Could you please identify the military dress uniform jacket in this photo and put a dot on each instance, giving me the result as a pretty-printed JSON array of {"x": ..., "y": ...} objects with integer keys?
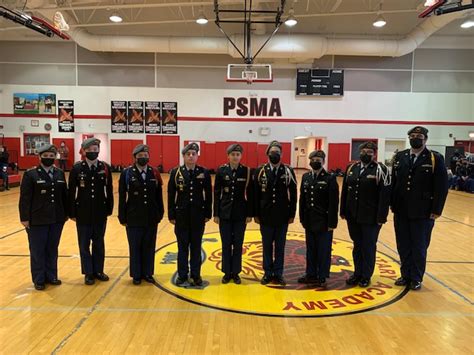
[
  {"x": 275, "y": 198},
  {"x": 189, "y": 197},
  {"x": 91, "y": 197},
  {"x": 421, "y": 189},
  {"x": 233, "y": 193},
  {"x": 365, "y": 196},
  {"x": 43, "y": 200},
  {"x": 140, "y": 201},
  {"x": 319, "y": 201}
]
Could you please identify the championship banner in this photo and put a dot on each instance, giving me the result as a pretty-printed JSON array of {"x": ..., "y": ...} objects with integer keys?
[
  {"x": 135, "y": 117},
  {"x": 152, "y": 117},
  {"x": 118, "y": 116},
  {"x": 169, "y": 117},
  {"x": 66, "y": 115}
]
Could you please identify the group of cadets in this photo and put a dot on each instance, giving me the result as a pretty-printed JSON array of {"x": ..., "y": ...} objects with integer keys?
[{"x": 416, "y": 190}]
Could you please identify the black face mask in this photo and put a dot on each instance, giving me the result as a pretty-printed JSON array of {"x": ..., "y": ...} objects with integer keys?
[
  {"x": 142, "y": 161},
  {"x": 47, "y": 162},
  {"x": 92, "y": 155},
  {"x": 366, "y": 158},
  {"x": 416, "y": 143},
  {"x": 316, "y": 165},
  {"x": 274, "y": 157}
]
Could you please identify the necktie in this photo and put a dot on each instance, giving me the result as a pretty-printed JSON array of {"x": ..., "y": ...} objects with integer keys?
[
  {"x": 191, "y": 173},
  {"x": 93, "y": 168},
  {"x": 233, "y": 172},
  {"x": 143, "y": 175},
  {"x": 51, "y": 174},
  {"x": 412, "y": 159},
  {"x": 275, "y": 170}
]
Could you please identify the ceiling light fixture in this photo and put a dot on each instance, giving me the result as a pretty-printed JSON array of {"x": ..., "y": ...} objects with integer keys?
[
  {"x": 115, "y": 18},
  {"x": 202, "y": 19},
  {"x": 291, "y": 20},
  {"x": 467, "y": 24},
  {"x": 379, "y": 21}
]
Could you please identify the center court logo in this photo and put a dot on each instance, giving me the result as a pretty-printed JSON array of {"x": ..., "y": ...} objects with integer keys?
[{"x": 292, "y": 300}]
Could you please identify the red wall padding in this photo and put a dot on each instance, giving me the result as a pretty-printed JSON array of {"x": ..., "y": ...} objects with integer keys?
[{"x": 338, "y": 156}]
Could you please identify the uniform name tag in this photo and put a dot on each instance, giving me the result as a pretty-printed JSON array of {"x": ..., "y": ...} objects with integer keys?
[
  {"x": 135, "y": 193},
  {"x": 371, "y": 177},
  {"x": 40, "y": 181},
  {"x": 427, "y": 166},
  {"x": 101, "y": 172},
  {"x": 322, "y": 182},
  {"x": 43, "y": 192},
  {"x": 62, "y": 181},
  {"x": 241, "y": 179},
  {"x": 200, "y": 176}
]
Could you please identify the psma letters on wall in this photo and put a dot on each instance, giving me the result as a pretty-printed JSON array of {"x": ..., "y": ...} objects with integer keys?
[{"x": 253, "y": 106}]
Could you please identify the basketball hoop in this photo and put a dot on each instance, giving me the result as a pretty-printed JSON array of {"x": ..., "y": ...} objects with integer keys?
[
  {"x": 249, "y": 73},
  {"x": 249, "y": 76}
]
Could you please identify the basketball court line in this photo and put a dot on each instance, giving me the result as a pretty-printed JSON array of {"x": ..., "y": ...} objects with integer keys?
[
  {"x": 12, "y": 233},
  {"x": 459, "y": 294},
  {"x": 91, "y": 310},
  {"x": 210, "y": 310}
]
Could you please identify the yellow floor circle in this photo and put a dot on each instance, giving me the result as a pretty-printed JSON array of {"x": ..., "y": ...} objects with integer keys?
[{"x": 292, "y": 300}]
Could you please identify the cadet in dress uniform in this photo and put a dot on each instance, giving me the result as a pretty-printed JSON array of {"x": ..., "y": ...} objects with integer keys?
[
  {"x": 319, "y": 202},
  {"x": 140, "y": 210},
  {"x": 365, "y": 202},
  {"x": 189, "y": 209},
  {"x": 43, "y": 211},
  {"x": 275, "y": 208},
  {"x": 233, "y": 207},
  {"x": 91, "y": 200},
  {"x": 420, "y": 187}
]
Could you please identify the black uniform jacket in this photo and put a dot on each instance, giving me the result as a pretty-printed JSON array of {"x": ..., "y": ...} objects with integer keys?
[
  {"x": 91, "y": 197},
  {"x": 275, "y": 197},
  {"x": 319, "y": 201},
  {"x": 140, "y": 201},
  {"x": 189, "y": 198},
  {"x": 43, "y": 200},
  {"x": 421, "y": 189}
]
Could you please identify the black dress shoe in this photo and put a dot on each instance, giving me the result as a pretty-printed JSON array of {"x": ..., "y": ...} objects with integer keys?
[
  {"x": 180, "y": 281},
  {"x": 89, "y": 279},
  {"x": 55, "y": 282},
  {"x": 415, "y": 285},
  {"x": 353, "y": 280},
  {"x": 137, "y": 281},
  {"x": 40, "y": 287},
  {"x": 197, "y": 281},
  {"x": 321, "y": 282},
  {"x": 307, "y": 280},
  {"x": 401, "y": 281},
  {"x": 101, "y": 276},
  {"x": 226, "y": 279},
  {"x": 364, "y": 282},
  {"x": 279, "y": 280},
  {"x": 266, "y": 280},
  {"x": 237, "y": 279},
  {"x": 149, "y": 279}
]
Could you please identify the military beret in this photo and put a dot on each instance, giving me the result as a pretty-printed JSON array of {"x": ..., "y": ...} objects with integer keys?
[
  {"x": 234, "y": 148},
  {"x": 140, "y": 148},
  {"x": 368, "y": 145},
  {"x": 190, "y": 146},
  {"x": 418, "y": 129},
  {"x": 47, "y": 148},
  {"x": 90, "y": 141},
  {"x": 273, "y": 144},
  {"x": 317, "y": 153}
]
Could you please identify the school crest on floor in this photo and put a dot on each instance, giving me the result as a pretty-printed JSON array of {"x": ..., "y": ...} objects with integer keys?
[{"x": 292, "y": 300}]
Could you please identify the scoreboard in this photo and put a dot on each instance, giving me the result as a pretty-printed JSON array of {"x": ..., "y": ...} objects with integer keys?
[{"x": 319, "y": 82}]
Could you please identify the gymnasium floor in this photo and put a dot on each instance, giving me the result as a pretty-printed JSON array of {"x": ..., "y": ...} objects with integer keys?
[{"x": 117, "y": 317}]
